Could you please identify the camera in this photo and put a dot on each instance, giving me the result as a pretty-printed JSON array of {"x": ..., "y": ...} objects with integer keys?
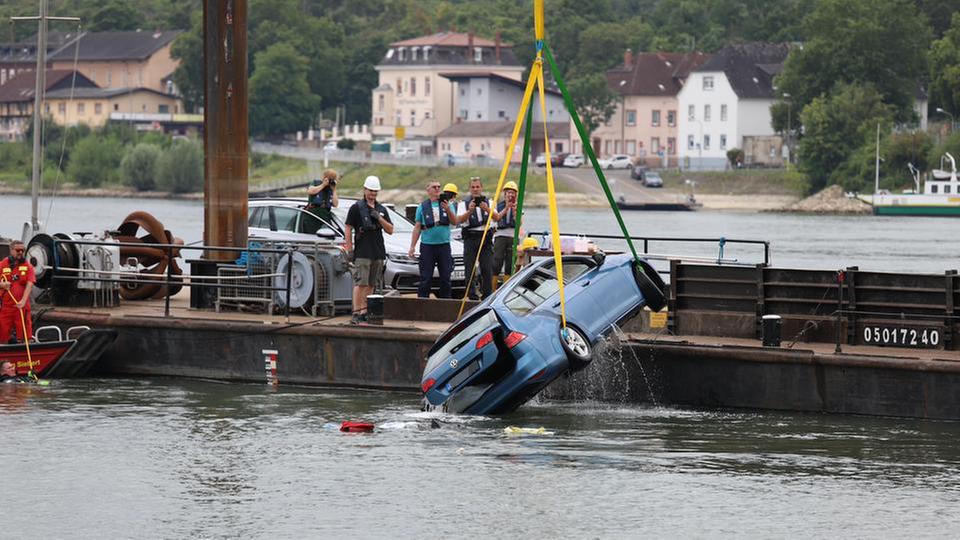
[
  {"x": 479, "y": 199},
  {"x": 447, "y": 196},
  {"x": 370, "y": 218}
]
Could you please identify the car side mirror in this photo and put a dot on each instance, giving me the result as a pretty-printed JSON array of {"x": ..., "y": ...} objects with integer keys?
[
  {"x": 326, "y": 233},
  {"x": 599, "y": 258}
]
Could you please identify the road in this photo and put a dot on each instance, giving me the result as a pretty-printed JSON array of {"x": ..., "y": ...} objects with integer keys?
[{"x": 584, "y": 180}]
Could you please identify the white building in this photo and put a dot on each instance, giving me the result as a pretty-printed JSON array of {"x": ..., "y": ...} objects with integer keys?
[{"x": 725, "y": 104}]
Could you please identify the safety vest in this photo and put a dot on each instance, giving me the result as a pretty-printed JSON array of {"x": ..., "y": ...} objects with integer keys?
[
  {"x": 323, "y": 199},
  {"x": 508, "y": 220},
  {"x": 426, "y": 209},
  {"x": 478, "y": 219}
]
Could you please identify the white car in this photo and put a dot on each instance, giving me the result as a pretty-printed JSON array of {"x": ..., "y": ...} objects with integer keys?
[
  {"x": 573, "y": 160},
  {"x": 616, "y": 161},
  {"x": 287, "y": 220},
  {"x": 406, "y": 153},
  {"x": 541, "y": 160},
  {"x": 331, "y": 146}
]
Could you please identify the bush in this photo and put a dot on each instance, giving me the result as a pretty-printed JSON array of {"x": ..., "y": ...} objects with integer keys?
[
  {"x": 346, "y": 144},
  {"x": 180, "y": 168},
  {"x": 735, "y": 156},
  {"x": 95, "y": 161},
  {"x": 139, "y": 167}
]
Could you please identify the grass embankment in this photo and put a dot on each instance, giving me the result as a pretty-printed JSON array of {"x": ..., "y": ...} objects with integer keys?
[
  {"x": 267, "y": 169},
  {"x": 740, "y": 182}
]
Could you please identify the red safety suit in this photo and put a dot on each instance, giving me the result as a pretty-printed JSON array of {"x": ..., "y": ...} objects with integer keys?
[{"x": 18, "y": 274}]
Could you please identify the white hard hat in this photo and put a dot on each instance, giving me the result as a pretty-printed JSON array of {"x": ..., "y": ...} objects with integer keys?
[{"x": 372, "y": 183}]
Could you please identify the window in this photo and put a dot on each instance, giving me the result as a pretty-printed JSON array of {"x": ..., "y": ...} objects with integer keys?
[
  {"x": 97, "y": 108},
  {"x": 672, "y": 118},
  {"x": 723, "y": 142},
  {"x": 413, "y": 86},
  {"x": 655, "y": 119},
  {"x": 692, "y": 112},
  {"x": 557, "y": 147},
  {"x": 606, "y": 147},
  {"x": 109, "y": 78},
  {"x": 706, "y": 142},
  {"x": 616, "y": 147},
  {"x": 464, "y": 114},
  {"x": 253, "y": 217},
  {"x": 381, "y": 103},
  {"x": 81, "y": 109},
  {"x": 414, "y": 52},
  {"x": 501, "y": 114},
  {"x": 413, "y": 118},
  {"x": 402, "y": 53},
  {"x": 310, "y": 224},
  {"x": 62, "y": 108},
  {"x": 689, "y": 142},
  {"x": 426, "y": 81},
  {"x": 631, "y": 148},
  {"x": 706, "y": 113},
  {"x": 933, "y": 188},
  {"x": 477, "y": 54},
  {"x": 162, "y": 109},
  {"x": 399, "y": 86},
  {"x": 723, "y": 113},
  {"x": 708, "y": 83},
  {"x": 655, "y": 145},
  {"x": 286, "y": 218},
  {"x": 116, "y": 107},
  {"x": 631, "y": 118},
  {"x": 479, "y": 115},
  {"x": 426, "y": 115},
  {"x": 399, "y": 120},
  {"x": 463, "y": 91},
  {"x": 466, "y": 147},
  {"x": 671, "y": 146},
  {"x": 946, "y": 188},
  {"x": 479, "y": 91}
]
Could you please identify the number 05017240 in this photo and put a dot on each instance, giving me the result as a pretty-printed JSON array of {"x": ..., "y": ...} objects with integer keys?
[{"x": 898, "y": 336}]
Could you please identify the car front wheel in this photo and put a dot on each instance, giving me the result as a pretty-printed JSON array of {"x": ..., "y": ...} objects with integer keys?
[{"x": 577, "y": 347}]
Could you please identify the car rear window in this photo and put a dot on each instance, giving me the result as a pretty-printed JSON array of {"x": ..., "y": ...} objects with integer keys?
[
  {"x": 542, "y": 284},
  {"x": 459, "y": 336}
]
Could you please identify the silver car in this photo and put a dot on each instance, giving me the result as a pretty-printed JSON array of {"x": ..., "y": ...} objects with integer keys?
[{"x": 288, "y": 220}]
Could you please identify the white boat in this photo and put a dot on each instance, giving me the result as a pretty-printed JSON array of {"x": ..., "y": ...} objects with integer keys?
[{"x": 940, "y": 195}]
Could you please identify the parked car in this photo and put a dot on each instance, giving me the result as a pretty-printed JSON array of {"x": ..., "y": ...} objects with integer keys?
[
  {"x": 652, "y": 179},
  {"x": 331, "y": 146},
  {"x": 451, "y": 160},
  {"x": 557, "y": 159},
  {"x": 616, "y": 161},
  {"x": 573, "y": 160},
  {"x": 287, "y": 220},
  {"x": 638, "y": 172},
  {"x": 508, "y": 348},
  {"x": 404, "y": 153},
  {"x": 541, "y": 160}
]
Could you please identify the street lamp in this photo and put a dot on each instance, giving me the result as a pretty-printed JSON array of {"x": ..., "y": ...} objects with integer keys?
[
  {"x": 952, "y": 120},
  {"x": 786, "y": 97}
]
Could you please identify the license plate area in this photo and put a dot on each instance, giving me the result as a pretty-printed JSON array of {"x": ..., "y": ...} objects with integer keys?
[{"x": 463, "y": 374}]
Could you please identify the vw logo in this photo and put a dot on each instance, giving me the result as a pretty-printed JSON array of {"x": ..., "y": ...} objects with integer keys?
[{"x": 453, "y": 364}]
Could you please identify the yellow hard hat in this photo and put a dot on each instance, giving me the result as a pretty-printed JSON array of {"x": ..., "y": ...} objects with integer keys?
[
  {"x": 511, "y": 185},
  {"x": 528, "y": 243},
  {"x": 452, "y": 188}
]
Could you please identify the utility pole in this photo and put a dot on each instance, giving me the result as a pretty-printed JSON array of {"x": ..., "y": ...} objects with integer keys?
[{"x": 39, "y": 89}]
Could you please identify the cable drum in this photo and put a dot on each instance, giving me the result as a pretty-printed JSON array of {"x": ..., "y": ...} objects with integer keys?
[
  {"x": 40, "y": 253},
  {"x": 301, "y": 280}
]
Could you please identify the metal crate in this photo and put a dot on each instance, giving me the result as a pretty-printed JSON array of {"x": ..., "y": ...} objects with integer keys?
[{"x": 240, "y": 288}]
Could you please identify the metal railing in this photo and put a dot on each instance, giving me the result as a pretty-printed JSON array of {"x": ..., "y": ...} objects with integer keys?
[{"x": 168, "y": 278}]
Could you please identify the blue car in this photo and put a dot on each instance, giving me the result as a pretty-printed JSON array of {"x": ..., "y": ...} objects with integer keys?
[{"x": 507, "y": 349}]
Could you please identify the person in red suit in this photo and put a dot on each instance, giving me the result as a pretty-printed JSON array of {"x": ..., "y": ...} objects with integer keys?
[{"x": 16, "y": 281}]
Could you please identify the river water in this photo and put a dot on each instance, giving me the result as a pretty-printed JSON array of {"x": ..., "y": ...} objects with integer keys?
[{"x": 169, "y": 458}]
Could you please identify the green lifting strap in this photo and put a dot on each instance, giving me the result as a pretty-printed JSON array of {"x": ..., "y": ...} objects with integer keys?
[
  {"x": 522, "y": 188},
  {"x": 587, "y": 149}
]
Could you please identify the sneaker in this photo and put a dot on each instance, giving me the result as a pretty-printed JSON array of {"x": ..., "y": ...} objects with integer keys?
[
  {"x": 356, "y": 318},
  {"x": 364, "y": 318}
]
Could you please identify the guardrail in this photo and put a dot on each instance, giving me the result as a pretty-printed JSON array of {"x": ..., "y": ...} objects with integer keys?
[{"x": 380, "y": 158}]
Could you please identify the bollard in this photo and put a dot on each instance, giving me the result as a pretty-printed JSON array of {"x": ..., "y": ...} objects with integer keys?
[
  {"x": 375, "y": 309},
  {"x": 771, "y": 330}
]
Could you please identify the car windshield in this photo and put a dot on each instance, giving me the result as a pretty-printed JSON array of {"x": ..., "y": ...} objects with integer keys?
[
  {"x": 459, "y": 336},
  {"x": 400, "y": 223},
  {"x": 653, "y": 175}
]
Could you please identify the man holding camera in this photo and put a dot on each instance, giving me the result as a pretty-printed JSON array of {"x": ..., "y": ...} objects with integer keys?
[
  {"x": 369, "y": 219},
  {"x": 17, "y": 277},
  {"x": 506, "y": 217},
  {"x": 432, "y": 224},
  {"x": 477, "y": 258},
  {"x": 322, "y": 196}
]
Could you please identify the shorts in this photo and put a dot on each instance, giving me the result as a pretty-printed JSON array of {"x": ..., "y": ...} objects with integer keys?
[{"x": 367, "y": 272}]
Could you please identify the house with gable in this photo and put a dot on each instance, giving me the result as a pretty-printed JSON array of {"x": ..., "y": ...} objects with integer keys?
[
  {"x": 414, "y": 102},
  {"x": 645, "y": 124},
  {"x": 17, "y": 96},
  {"x": 726, "y": 103}
]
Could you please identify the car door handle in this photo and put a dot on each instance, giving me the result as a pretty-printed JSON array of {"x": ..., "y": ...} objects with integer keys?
[{"x": 586, "y": 282}]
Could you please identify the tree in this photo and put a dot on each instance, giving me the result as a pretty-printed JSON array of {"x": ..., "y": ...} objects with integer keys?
[
  {"x": 835, "y": 126},
  {"x": 280, "y": 97},
  {"x": 594, "y": 101},
  {"x": 116, "y": 15},
  {"x": 878, "y": 42},
  {"x": 188, "y": 49},
  {"x": 95, "y": 161},
  {"x": 945, "y": 69},
  {"x": 139, "y": 166},
  {"x": 180, "y": 168}
]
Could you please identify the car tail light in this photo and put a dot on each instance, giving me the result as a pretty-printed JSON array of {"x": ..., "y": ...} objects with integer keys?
[
  {"x": 427, "y": 384},
  {"x": 539, "y": 374},
  {"x": 513, "y": 338},
  {"x": 484, "y": 340}
]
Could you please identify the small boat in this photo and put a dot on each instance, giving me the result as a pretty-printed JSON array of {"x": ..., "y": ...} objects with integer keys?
[
  {"x": 59, "y": 358},
  {"x": 940, "y": 195}
]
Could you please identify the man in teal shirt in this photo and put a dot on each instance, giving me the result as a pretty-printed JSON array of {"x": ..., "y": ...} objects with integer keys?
[{"x": 432, "y": 225}]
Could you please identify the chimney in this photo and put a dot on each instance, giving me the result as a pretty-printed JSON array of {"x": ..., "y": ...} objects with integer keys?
[
  {"x": 628, "y": 59},
  {"x": 470, "y": 47},
  {"x": 497, "y": 49}
]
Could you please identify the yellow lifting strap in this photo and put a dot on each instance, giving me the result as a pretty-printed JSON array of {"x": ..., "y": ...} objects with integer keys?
[
  {"x": 26, "y": 338},
  {"x": 538, "y": 20}
]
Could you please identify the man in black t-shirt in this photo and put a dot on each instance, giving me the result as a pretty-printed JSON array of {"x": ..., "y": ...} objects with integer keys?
[{"x": 369, "y": 219}]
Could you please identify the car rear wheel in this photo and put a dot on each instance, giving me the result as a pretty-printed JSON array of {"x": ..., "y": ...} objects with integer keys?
[
  {"x": 577, "y": 347},
  {"x": 651, "y": 285}
]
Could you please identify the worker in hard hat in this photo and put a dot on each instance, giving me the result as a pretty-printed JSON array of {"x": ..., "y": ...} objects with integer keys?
[
  {"x": 477, "y": 250},
  {"x": 505, "y": 215},
  {"x": 435, "y": 216}
]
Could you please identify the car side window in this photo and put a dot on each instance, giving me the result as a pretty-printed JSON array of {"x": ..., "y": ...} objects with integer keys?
[
  {"x": 286, "y": 218},
  {"x": 310, "y": 224},
  {"x": 253, "y": 215},
  {"x": 531, "y": 293}
]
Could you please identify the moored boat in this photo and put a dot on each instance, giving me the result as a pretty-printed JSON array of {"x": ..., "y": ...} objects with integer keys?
[
  {"x": 940, "y": 195},
  {"x": 59, "y": 358}
]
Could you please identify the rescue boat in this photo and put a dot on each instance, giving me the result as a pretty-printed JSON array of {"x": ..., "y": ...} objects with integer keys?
[{"x": 72, "y": 356}]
